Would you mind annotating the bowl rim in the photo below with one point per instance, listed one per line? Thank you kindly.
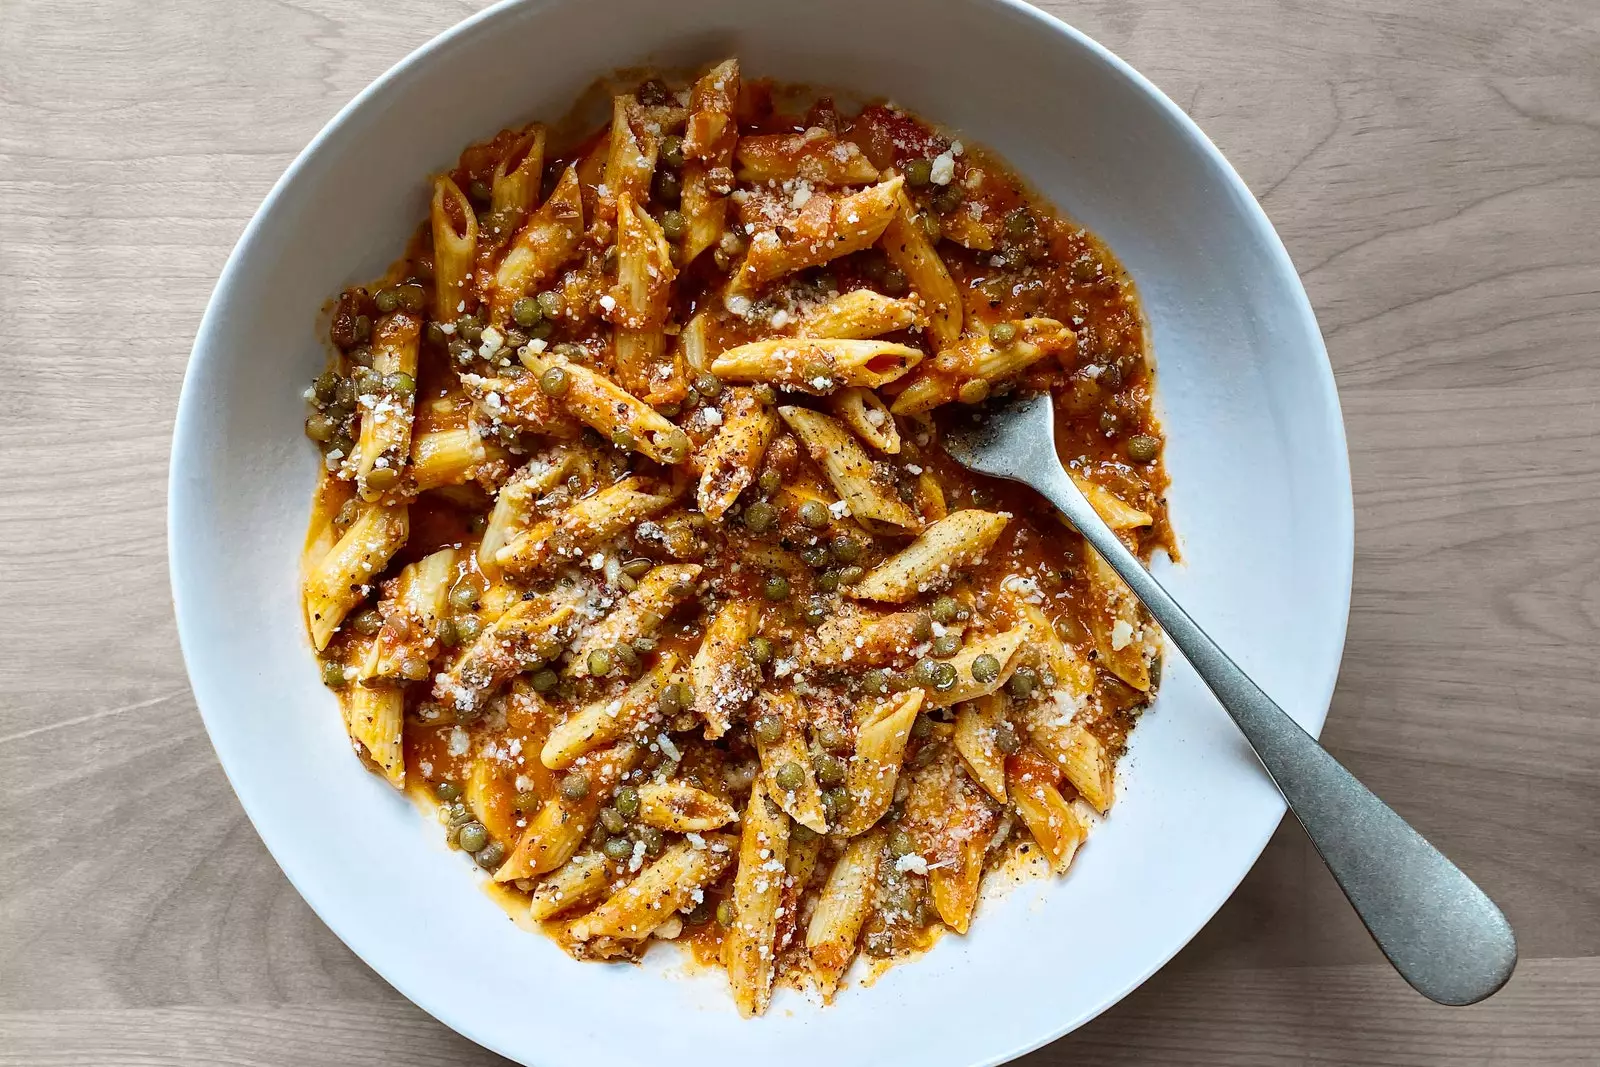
(185, 431)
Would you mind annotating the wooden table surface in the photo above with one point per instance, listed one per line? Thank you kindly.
(1434, 168)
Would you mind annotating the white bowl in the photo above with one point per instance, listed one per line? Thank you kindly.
(1260, 497)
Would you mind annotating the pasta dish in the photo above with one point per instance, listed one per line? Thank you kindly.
(635, 550)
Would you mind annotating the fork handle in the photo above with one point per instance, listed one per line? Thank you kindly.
(1441, 932)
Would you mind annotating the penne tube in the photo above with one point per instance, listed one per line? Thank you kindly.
(514, 502)
(640, 614)
(644, 270)
(1053, 822)
(1110, 508)
(958, 540)
(645, 367)
(814, 156)
(603, 721)
(977, 724)
(721, 672)
(528, 628)
(952, 821)
(342, 578)
(577, 883)
(661, 890)
(1068, 673)
(1003, 647)
(630, 158)
(491, 797)
(969, 368)
(786, 756)
(826, 228)
(749, 946)
(708, 147)
(1123, 640)
(861, 314)
(848, 469)
(712, 132)
(376, 719)
(520, 404)
(842, 908)
(386, 413)
(553, 835)
(851, 637)
(930, 497)
(541, 247)
(455, 251)
(1076, 753)
(592, 521)
(816, 366)
(799, 867)
(682, 808)
(693, 344)
(865, 413)
(875, 767)
(519, 174)
(908, 248)
(617, 414)
(446, 457)
(728, 462)
(408, 638)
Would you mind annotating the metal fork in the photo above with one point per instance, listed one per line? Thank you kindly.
(1441, 932)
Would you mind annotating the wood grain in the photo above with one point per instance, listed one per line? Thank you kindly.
(1434, 169)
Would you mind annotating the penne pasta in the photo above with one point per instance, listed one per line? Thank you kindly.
(630, 158)
(541, 247)
(455, 251)
(1076, 753)
(1053, 822)
(750, 955)
(827, 227)
(532, 628)
(519, 174)
(958, 540)
(861, 314)
(386, 411)
(875, 767)
(968, 369)
(591, 521)
(970, 683)
(617, 414)
(815, 156)
(577, 883)
(842, 908)
(850, 472)
(860, 409)
(411, 618)
(816, 366)
(376, 716)
(682, 808)
(1116, 514)
(1123, 640)
(605, 720)
(722, 674)
(446, 457)
(708, 147)
(908, 248)
(786, 765)
(553, 836)
(640, 614)
(678, 658)
(667, 885)
(851, 637)
(341, 579)
(978, 725)
(644, 270)
(728, 461)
